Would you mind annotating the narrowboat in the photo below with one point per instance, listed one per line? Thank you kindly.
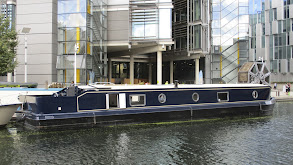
(119, 104)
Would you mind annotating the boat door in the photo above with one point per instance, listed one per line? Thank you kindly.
(115, 100)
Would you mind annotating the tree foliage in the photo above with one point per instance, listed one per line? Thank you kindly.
(8, 42)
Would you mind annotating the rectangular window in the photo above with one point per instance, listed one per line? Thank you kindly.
(284, 26)
(223, 96)
(137, 100)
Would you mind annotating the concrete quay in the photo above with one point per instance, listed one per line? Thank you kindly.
(281, 96)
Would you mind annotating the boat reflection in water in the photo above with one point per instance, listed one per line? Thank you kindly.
(117, 104)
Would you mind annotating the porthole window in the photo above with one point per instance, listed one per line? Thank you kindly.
(195, 97)
(255, 94)
(162, 98)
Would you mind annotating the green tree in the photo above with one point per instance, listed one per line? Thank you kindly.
(8, 42)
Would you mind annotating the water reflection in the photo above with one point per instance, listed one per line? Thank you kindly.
(266, 140)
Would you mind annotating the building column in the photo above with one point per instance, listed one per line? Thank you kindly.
(159, 68)
(171, 71)
(110, 70)
(150, 73)
(9, 77)
(197, 71)
(131, 69)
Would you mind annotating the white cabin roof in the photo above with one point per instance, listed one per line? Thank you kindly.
(169, 86)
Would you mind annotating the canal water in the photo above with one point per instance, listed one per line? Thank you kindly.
(262, 140)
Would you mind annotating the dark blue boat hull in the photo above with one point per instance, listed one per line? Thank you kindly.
(149, 114)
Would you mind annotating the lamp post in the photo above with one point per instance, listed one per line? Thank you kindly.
(25, 30)
(76, 46)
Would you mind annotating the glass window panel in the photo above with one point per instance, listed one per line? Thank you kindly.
(284, 26)
(271, 41)
(137, 30)
(276, 40)
(183, 15)
(216, 24)
(289, 52)
(71, 34)
(69, 48)
(67, 61)
(243, 2)
(216, 15)
(197, 33)
(60, 75)
(165, 23)
(216, 32)
(271, 15)
(183, 42)
(243, 10)
(263, 41)
(271, 54)
(72, 20)
(283, 38)
(280, 53)
(216, 40)
(67, 75)
(276, 56)
(288, 25)
(216, 7)
(151, 30)
(197, 12)
(71, 6)
(280, 27)
(262, 17)
(244, 19)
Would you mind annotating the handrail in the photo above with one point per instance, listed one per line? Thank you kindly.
(231, 62)
(228, 73)
(229, 22)
(230, 38)
(229, 12)
(232, 79)
(230, 55)
(229, 30)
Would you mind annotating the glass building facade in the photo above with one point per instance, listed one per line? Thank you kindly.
(8, 10)
(149, 22)
(271, 26)
(82, 22)
(229, 37)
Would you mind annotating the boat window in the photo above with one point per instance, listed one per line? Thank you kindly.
(137, 100)
(195, 97)
(223, 96)
(162, 98)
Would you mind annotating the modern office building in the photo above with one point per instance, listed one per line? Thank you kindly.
(139, 33)
(135, 41)
(8, 10)
(191, 34)
(42, 44)
(112, 36)
(271, 37)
